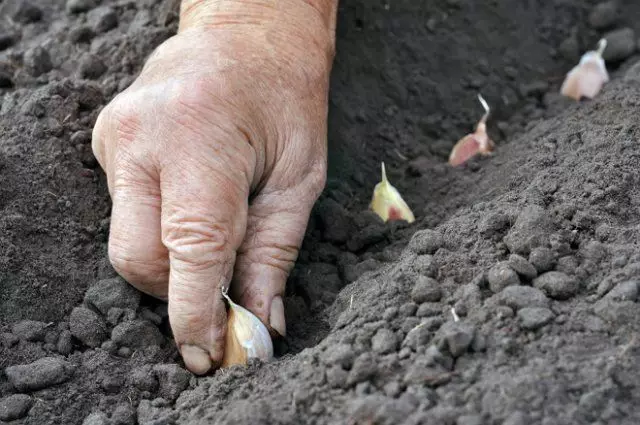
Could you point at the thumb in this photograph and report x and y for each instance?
(275, 228)
(204, 212)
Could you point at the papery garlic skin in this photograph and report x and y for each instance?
(387, 202)
(476, 143)
(588, 77)
(247, 337)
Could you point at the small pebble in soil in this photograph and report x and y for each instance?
(532, 318)
(621, 44)
(40, 374)
(136, 334)
(502, 275)
(87, 326)
(604, 15)
(519, 296)
(14, 407)
(30, 330)
(523, 267)
(426, 289)
(557, 285)
(113, 292)
(543, 259)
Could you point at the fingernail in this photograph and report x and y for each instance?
(196, 359)
(276, 316)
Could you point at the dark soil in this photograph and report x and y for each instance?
(536, 248)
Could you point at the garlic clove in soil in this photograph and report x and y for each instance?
(587, 78)
(388, 203)
(477, 143)
(247, 337)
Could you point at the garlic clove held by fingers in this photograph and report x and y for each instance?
(247, 337)
(477, 143)
(387, 202)
(587, 78)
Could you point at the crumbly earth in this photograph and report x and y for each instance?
(511, 300)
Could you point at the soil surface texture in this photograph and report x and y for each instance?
(512, 300)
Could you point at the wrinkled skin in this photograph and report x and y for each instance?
(214, 157)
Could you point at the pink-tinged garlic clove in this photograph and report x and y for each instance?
(477, 143)
(387, 202)
(588, 77)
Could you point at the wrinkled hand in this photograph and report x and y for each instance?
(214, 158)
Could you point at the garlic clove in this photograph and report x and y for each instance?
(588, 77)
(247, 337)
(477, 143)
(388, 203)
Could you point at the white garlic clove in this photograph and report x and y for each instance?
(477, 143)
(588, 77)
(387, 202)
(247, 337)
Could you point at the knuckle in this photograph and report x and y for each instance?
(195, 96)
(97, 136)
(126, 122)
(136, 269)
(198, 243)
(317, 178)
(275, 255)
(118, 123)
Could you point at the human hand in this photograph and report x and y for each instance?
(214, 157)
